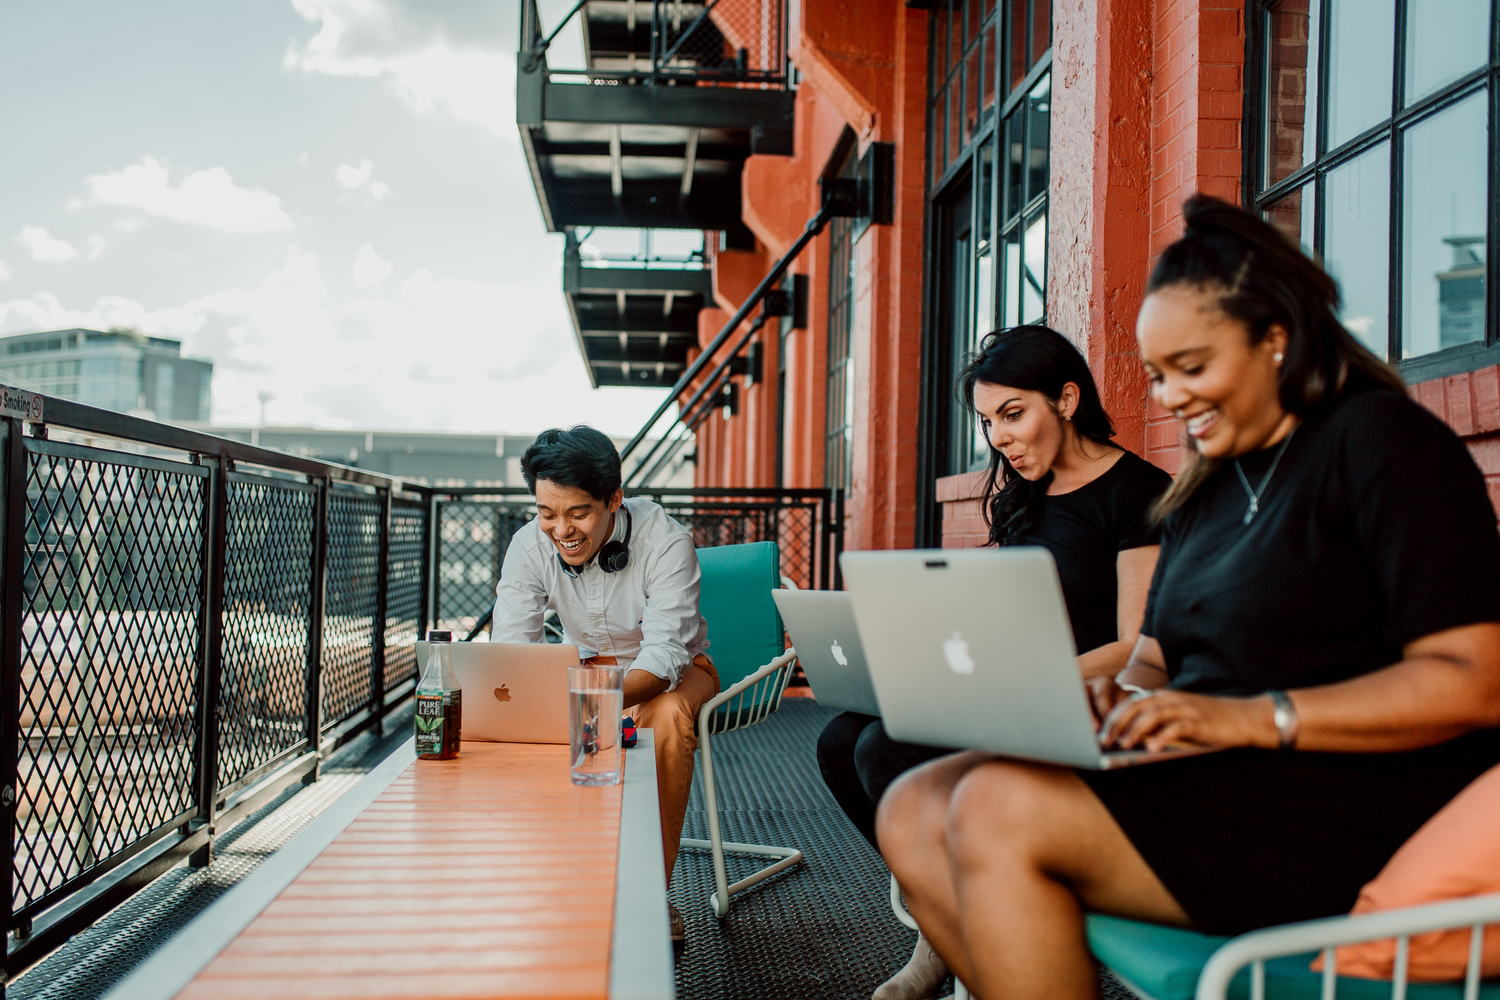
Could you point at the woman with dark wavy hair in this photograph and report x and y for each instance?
(1324, 613)
(1056, 479)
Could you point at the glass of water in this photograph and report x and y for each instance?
(596, 700)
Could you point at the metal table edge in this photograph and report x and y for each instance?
(640, 961)
(176, 963)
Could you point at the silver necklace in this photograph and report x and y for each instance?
(1255, 494)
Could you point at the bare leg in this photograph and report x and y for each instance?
(1030, 849)
(912, 824)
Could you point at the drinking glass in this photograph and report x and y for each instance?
(596, 700)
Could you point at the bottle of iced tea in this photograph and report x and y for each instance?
(439, 717)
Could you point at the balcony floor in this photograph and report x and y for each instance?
(821, 930)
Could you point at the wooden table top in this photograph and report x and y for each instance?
(487, 877)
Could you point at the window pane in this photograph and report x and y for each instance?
(989, 67)
(1357, 225)
(1294, 216)
(975, 18)
(1011, 307)
(1444, 40)
(1442, 252)
(1361, 62)
(1041, 28)
(956, 39)
(955, 116)
(1015, 157)
(984, 322)
(1018, 64)
(986, 190)
(1034, 272)
(971, 94)
(1038, 102)
(1291, 88)
(939, 49)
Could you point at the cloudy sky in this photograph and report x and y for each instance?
(326, 198)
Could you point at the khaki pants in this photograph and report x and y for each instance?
(672, 716)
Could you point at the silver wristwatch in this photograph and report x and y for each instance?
(1285, 717)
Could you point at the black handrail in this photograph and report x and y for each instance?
(778, 270)
(702, 391)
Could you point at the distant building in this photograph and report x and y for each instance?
(118, 370)
(430, 459)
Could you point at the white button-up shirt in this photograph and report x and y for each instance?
(646, 615)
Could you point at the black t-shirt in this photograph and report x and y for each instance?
(1086, 530)
(1374, 530)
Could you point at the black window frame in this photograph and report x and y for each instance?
(1259, 196)
(995, 217)
(838, 385)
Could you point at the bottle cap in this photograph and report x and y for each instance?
(439, 635)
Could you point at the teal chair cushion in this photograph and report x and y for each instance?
(1164, 962)
(744, 628)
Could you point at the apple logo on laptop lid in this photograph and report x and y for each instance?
(502, 693)
(956, 652)
(838, 654)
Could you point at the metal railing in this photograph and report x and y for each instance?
(191, 624)
(706, 42)
(475, 526)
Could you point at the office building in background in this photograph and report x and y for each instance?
(115, 369)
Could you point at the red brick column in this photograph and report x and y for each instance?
(1197, 101)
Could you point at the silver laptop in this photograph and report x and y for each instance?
(514, 692)
(972, 649)
(821, 624)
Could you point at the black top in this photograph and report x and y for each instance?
(1085, 531)
(1374, 530)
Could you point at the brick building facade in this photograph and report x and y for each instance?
(1040, 151)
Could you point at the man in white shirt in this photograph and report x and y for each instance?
(622, 576)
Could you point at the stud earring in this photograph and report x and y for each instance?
(1278, 357)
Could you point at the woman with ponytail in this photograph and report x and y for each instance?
(1056, 480)
(1324, 614)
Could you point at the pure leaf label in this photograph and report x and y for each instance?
(429, 723)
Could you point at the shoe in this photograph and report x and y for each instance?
(920, 979)
(679, 929)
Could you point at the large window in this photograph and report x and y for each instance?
(1374, 145)
(838, 472)
(989, 91)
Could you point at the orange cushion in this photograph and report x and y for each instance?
(1456, 853)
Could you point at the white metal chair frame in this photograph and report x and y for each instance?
(1255, 948)
(758, 696)
(960, 991)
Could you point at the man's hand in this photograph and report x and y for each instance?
(641, 686)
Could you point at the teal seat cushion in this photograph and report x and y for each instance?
(744, 628)
(1163, 963)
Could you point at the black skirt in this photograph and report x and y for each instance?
(1252, 838)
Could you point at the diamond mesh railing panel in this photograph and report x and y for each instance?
(403, 597)
(473, 537)
(110, 648)
(349, 608)
(475, 533)
(267, 608)
(737, 38)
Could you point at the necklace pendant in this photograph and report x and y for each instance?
(1254, 509)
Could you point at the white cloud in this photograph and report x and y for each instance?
(358, 178)
(43, 247)
(128, 224)
(370, 269)
(355, 39)
(446, 353)
(206, 198)
(4, 272)
(96, 247)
